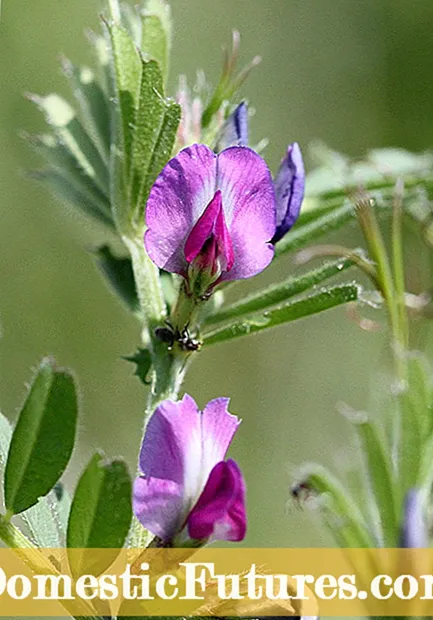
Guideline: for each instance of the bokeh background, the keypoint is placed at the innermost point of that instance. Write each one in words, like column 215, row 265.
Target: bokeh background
column 357, row 75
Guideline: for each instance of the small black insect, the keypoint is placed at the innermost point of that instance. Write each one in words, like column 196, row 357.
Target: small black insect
column 187, row 343
column 301, row 492
column 170, row 336
column 166, row 334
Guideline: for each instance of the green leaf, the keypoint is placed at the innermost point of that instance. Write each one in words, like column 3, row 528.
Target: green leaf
column 101, row 513
column 66, row 189
column 277, row 293
column 155, row 43
column 94, row 104
column 380, row 476
column 163, row 148
column 64, row 163
column 119, row 275
column 340, row 512
column 5, row 440
column 318, row 302
column 157, row 32
column 43, row 438
column 127, row 70
column 312, row 230
column 130, row 19
column 419, row 391
column 415, row 403
column 150, row 118
column 75, row 139
column 43, row 519
column 143, row 361
column 46, row 523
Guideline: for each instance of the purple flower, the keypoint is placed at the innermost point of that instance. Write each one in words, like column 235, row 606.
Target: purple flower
column 414, row 531
column 211, row 217
column 187, row 490
column 289, row 190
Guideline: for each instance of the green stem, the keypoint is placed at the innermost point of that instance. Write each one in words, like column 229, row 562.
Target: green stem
column 12, row 536
column 149, row 289
column 385, row 278
column 398, row 263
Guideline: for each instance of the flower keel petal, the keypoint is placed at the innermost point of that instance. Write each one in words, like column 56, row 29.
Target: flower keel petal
column 220, row 511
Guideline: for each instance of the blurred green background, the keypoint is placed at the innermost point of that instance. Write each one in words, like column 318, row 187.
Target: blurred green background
column 354, row 74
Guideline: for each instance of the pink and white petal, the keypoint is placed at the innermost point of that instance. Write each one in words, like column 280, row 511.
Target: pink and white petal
column 178, row 197
column 218, row 427
column 158, row 505
column 250, row 209
column 220, row 511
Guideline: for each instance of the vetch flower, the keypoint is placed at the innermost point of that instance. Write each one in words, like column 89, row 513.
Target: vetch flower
column 187, row 491
column 211, row 217
column 414, row 531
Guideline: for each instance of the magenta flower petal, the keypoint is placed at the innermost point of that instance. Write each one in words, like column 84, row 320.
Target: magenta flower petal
column 289, row 190
column 185, row 191
column 178, row 198
column 210, row 239
column 180, row 448
column 249, row 208
column 220, row 511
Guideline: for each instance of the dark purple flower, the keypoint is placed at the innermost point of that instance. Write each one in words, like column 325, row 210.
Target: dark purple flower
column 414, row 531
column 289, row 190
column 235, row 130
column 187, row 490
column 210, row 217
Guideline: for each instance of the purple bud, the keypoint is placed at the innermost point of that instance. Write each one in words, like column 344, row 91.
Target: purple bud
column 289, row 190
column 235, row 130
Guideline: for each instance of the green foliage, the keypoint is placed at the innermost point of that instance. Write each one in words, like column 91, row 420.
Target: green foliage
column 119, row 275
column 317, row 225
column 43, row 438
column 44, row 519
column 415, row 400
column 72, row 137
column 101, row 512
column 93, row 103
column 381, row 477
column 337, row 507
column 316, row 302
column 143, row 364
column 154, row 135
column 146, row 127
column 277, row 293
column 105, row 157
column 156, row 33
column 334, row 172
